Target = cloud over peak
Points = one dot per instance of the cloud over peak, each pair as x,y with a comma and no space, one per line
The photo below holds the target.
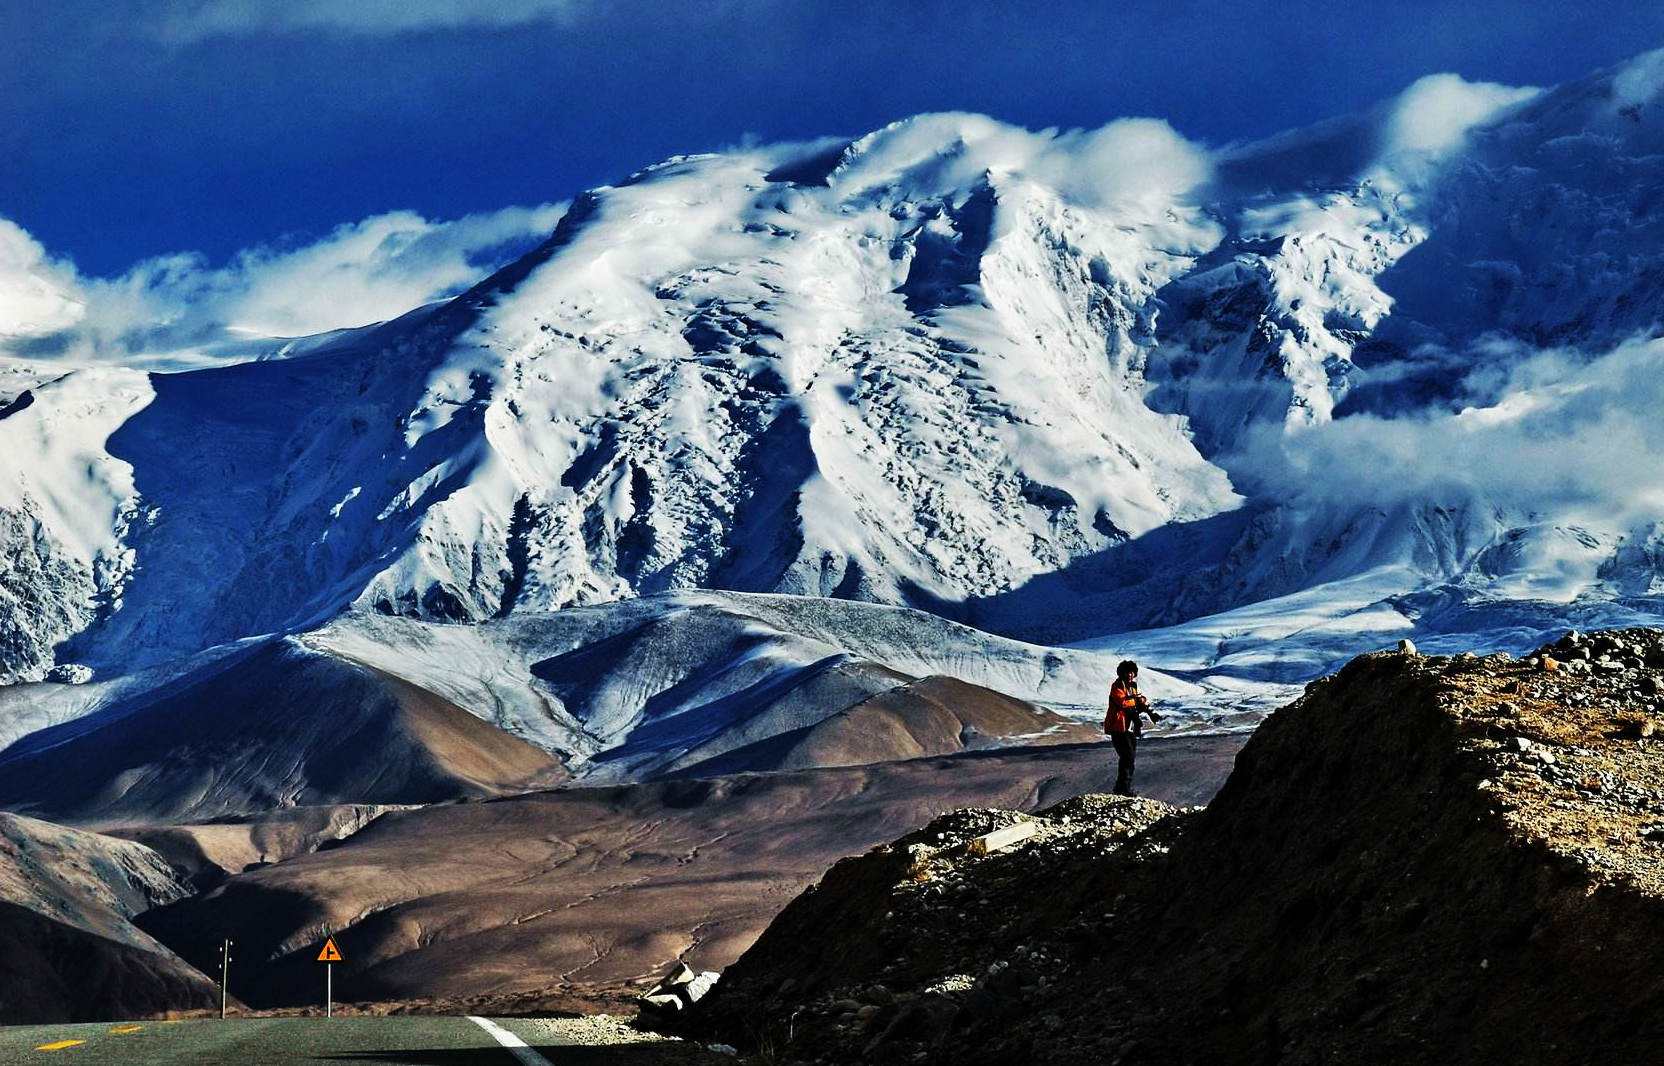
1127,161
1560,431
38,295
1434,115
361,272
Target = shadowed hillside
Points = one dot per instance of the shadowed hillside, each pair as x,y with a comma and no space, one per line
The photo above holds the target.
279,726
68,950
1422,860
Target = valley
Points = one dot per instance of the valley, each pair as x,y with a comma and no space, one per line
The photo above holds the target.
701,580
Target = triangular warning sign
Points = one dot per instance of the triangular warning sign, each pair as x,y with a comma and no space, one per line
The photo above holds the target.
330,952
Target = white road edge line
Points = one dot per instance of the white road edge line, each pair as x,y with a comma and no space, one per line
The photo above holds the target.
515,1045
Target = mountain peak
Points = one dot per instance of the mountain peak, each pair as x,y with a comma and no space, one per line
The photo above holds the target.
932,365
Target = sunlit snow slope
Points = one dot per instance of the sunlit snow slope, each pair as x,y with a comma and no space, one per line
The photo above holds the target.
1103,388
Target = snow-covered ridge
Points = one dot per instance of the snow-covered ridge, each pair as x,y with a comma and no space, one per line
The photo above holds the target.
1057,385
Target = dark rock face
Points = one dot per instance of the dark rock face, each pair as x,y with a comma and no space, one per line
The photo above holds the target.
68,950
1423,859
55,972
44,597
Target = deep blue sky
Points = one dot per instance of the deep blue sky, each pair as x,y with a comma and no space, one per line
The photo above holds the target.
124,136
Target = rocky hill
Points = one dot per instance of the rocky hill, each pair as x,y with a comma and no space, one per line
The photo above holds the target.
1424,859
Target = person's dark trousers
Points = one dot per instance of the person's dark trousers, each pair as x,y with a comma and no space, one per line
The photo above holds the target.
1126,746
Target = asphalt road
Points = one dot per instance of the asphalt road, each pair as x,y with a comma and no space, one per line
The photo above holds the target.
407,1040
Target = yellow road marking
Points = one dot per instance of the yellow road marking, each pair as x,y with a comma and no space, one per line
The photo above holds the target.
124,1029
59,1045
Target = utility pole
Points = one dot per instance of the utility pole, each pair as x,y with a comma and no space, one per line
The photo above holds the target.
225,972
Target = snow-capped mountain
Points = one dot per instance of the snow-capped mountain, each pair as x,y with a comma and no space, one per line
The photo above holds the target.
1062,387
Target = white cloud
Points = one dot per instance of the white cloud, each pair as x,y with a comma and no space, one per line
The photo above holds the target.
1554,431
1130,159
1639,80
1133,160
1434,115
37,294
361,272
203,19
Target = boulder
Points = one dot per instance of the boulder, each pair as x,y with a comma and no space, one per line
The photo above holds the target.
679,990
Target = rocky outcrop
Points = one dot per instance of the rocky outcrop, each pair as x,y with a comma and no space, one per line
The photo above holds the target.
1423,859
45,597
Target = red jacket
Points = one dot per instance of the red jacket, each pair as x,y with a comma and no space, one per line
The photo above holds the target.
1124,705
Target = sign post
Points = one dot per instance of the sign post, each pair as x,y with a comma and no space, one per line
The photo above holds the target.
329,956
225,972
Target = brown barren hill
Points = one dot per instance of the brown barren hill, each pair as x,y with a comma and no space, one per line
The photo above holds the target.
586,887
1451,860
68,950
930,716
206,853
278,726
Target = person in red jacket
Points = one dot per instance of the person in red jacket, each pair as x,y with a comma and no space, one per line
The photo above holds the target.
1122,723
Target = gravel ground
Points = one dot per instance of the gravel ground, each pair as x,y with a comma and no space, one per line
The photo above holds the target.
606,1030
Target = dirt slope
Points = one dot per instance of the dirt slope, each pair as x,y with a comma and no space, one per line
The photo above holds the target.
930,716
279,726
206,853
1422,860
594,886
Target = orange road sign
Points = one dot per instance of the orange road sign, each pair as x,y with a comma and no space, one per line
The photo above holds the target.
330,952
